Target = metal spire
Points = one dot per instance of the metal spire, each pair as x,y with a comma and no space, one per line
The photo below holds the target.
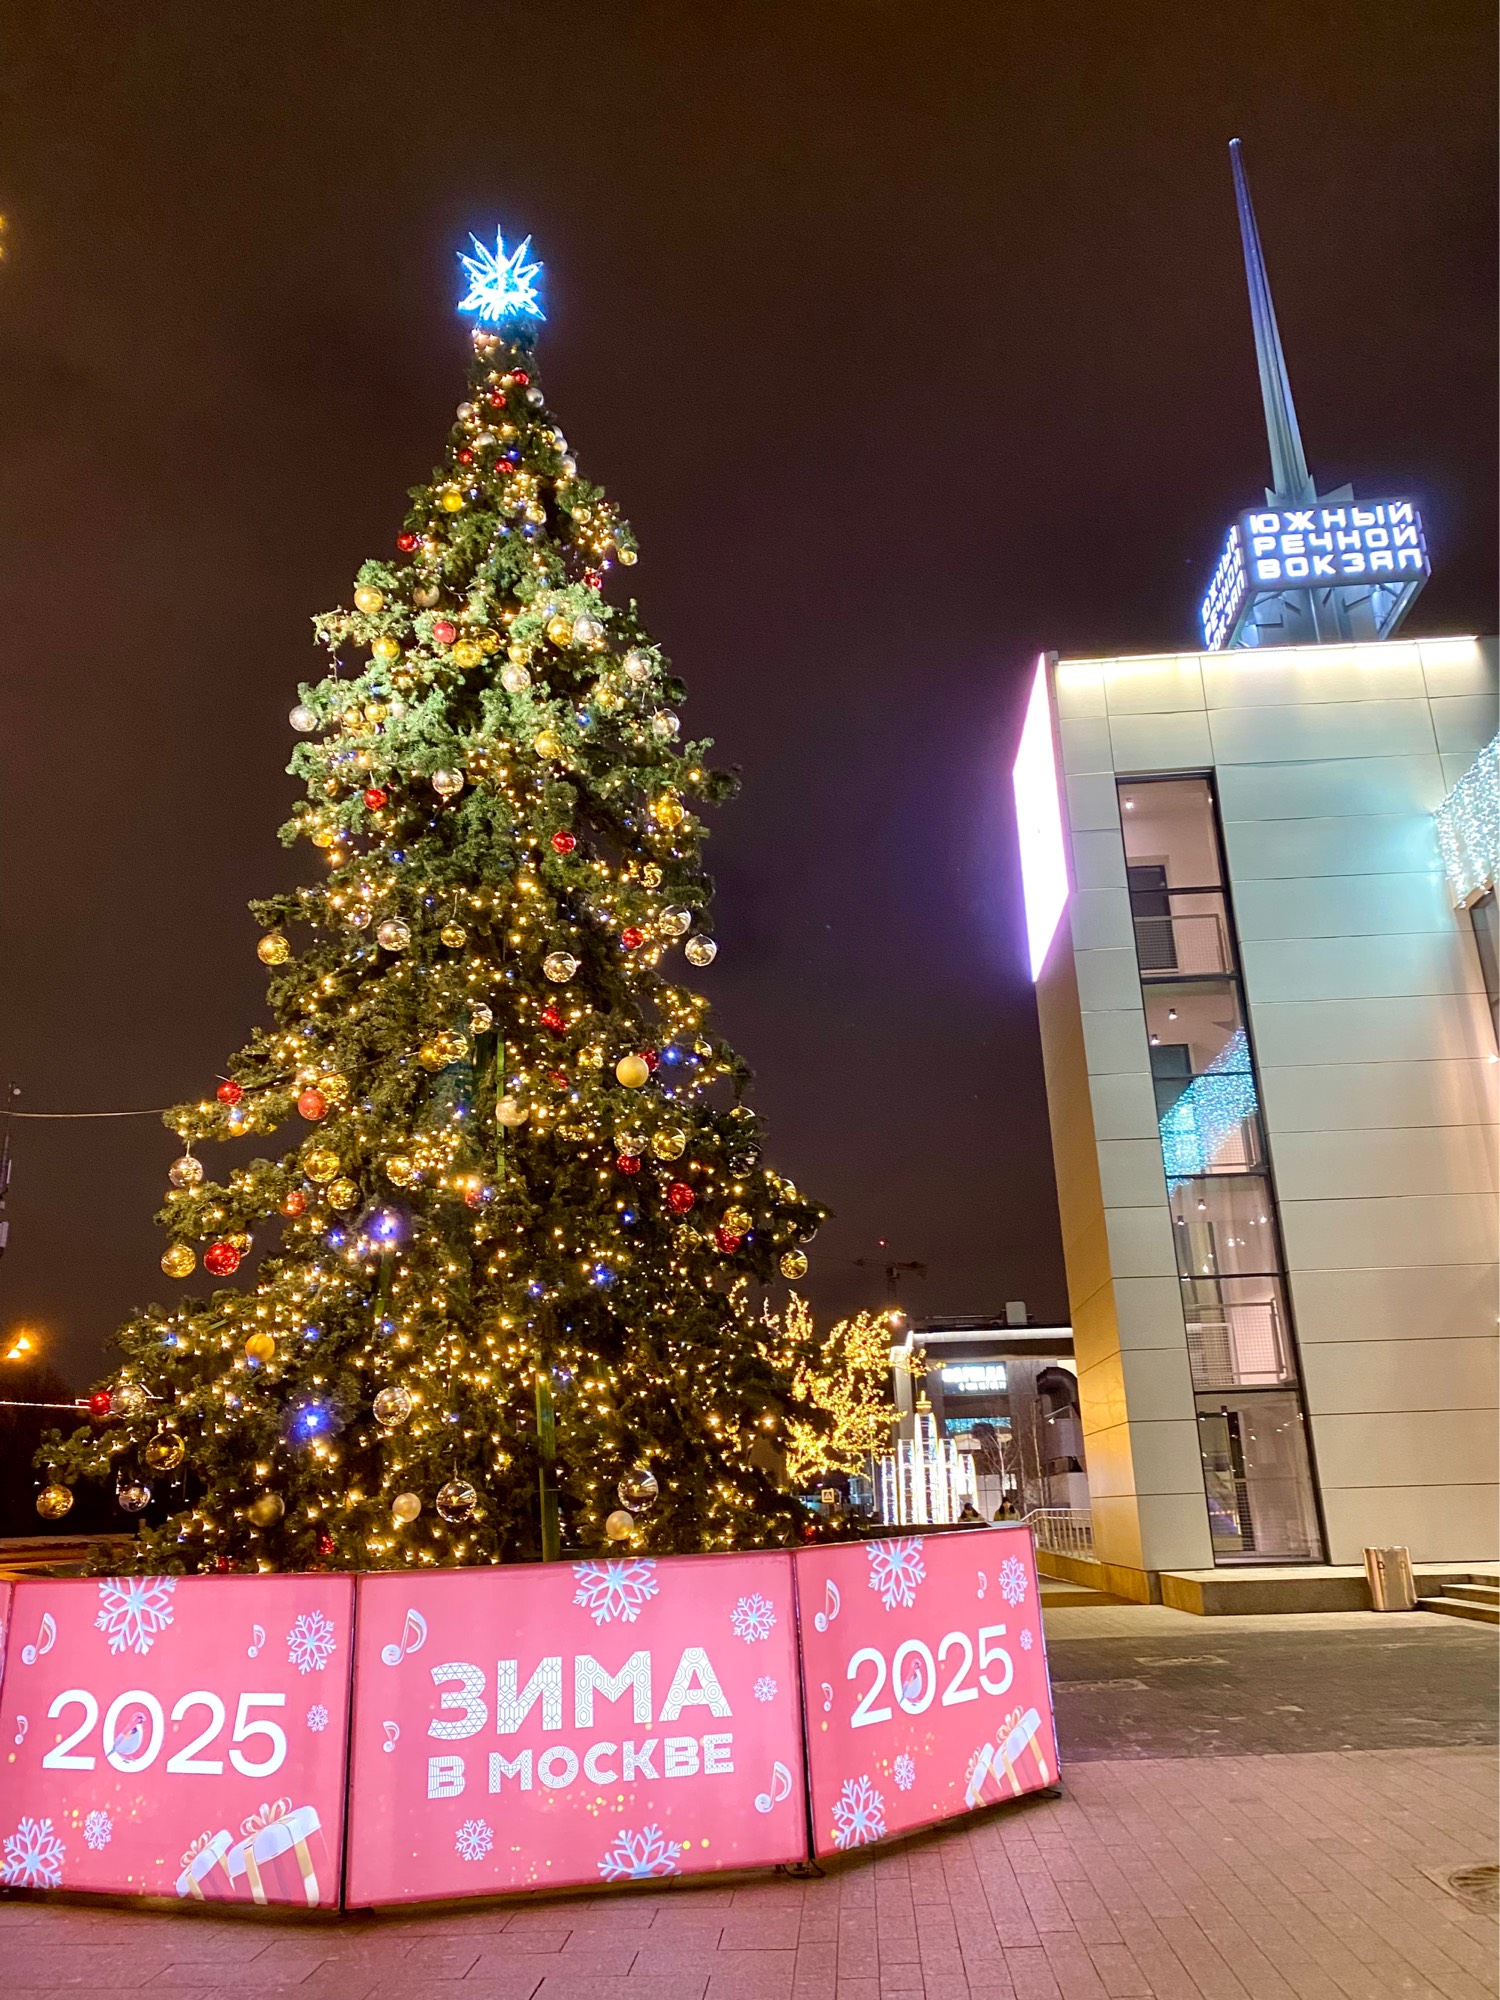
1292,483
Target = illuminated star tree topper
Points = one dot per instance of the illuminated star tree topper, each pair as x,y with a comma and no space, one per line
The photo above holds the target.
500,286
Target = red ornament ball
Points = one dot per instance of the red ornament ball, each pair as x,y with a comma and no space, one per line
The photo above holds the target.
101,1403
727,1241
631,938
295,1203
553,1021
556,1076
497,399
406,543
221,1259
375,798
313,1105
564,843
594,578
680,1197
229,1092
444,633
651,1059
628,1163
521,379
221,1565
466,457
325,1542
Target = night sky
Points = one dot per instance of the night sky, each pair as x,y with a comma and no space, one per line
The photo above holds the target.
911,339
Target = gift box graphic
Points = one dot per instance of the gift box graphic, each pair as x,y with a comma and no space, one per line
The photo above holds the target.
205,1873
280,1856
1019,1732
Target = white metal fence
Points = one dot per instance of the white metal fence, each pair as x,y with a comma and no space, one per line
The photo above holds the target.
1062,1531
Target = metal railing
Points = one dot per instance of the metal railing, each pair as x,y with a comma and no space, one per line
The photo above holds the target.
1062,1531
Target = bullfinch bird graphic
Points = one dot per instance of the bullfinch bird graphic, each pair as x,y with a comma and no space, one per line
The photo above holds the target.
132,1738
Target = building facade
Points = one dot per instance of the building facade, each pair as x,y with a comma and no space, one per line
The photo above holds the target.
1271,1070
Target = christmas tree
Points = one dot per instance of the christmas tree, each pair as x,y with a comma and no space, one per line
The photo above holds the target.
511,1260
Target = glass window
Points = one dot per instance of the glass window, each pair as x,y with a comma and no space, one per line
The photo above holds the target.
1223,1227
1169,829
1237,1332
1257,1477
1206,1105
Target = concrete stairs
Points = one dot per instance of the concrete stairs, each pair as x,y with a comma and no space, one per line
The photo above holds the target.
1475,1597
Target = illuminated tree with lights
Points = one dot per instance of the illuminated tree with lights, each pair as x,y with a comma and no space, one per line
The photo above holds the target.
527,1214
842,1414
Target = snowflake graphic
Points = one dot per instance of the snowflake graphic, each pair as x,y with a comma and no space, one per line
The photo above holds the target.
905,1772
317,1718
637,1856
896,1568
858,1814
135,1610
33,1857
310,1642
752,1618
1012,1580
98,1830
616,1588
765,1688
1026,1639
474,1840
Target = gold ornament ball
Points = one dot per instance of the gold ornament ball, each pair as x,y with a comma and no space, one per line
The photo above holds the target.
447,784
130,1399
320,1165
369,600
53,1502
736,1220
627,556
393,935
669,1143
637,666
454,936
481,1020
323,833
546,743
457,1500
393,1405
489,642
260,1347
451,502
179,1260
386,647
793,1265
165,1452
399,1170
675,921
630,1144
559,967
512,1112
631,1071
587,631
619,1526
668,810
560,631
638,1489
266,1511
425,596
514,678
273,949
700,951
467,654
343,1194
405,1508
186,1172
133,1496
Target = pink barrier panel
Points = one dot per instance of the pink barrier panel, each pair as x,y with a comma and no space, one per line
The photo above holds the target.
602,1721
926,1680
177,1735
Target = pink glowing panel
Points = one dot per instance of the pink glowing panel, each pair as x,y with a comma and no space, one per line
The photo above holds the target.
926,1678
1039,824
182,1736
602,1721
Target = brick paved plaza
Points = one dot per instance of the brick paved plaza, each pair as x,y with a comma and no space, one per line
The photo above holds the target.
1235,1872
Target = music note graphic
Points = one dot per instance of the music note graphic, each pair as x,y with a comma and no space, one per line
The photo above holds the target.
831,1599
984,1584
781,1788
22,1725
258,1639
46,1639
413,1638
392,1732
827,1696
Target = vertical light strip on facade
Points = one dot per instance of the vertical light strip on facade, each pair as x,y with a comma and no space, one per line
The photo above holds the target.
1039,822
